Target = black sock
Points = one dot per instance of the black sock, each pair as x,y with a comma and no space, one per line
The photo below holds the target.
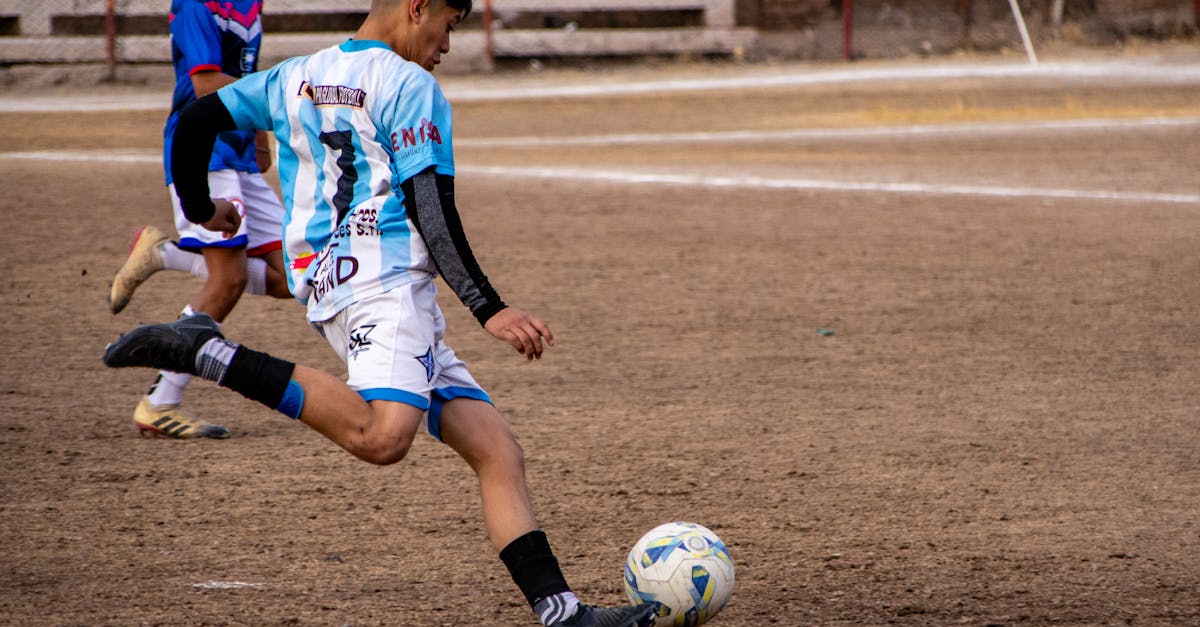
258,376
533,567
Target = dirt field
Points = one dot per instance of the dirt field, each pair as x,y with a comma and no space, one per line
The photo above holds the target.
997,423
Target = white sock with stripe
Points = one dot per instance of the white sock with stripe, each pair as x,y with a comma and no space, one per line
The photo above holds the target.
557,608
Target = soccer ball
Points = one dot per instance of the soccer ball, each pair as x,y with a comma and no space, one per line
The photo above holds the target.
682,568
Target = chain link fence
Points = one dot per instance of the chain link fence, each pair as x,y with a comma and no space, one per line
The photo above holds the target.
135,31
57,31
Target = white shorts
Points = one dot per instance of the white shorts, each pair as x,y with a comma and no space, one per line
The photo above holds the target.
392,346
262,224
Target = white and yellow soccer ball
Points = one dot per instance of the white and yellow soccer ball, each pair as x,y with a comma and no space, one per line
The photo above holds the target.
684,569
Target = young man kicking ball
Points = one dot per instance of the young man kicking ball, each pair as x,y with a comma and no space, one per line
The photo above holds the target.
367,171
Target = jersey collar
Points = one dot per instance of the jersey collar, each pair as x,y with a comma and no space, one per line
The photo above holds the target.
358,45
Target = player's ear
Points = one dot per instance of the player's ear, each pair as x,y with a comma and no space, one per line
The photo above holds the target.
416,8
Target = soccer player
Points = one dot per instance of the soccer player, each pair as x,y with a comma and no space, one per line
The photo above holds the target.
367,171
212,45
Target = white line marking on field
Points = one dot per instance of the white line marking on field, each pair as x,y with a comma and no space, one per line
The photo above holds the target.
754,182
94,157
227,585
777,135
700,180
85,104
1185,73
466,90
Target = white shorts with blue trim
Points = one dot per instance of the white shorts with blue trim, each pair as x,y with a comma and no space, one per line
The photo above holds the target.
393,348
262,223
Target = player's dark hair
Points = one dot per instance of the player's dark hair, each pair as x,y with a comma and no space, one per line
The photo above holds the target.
460,5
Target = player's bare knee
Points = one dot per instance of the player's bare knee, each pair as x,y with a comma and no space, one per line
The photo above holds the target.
383,451
506,451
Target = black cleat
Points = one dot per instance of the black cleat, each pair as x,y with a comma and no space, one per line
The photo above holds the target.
169,346
627,616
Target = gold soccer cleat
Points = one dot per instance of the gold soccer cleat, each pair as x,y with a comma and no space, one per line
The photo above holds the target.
144,260
170,422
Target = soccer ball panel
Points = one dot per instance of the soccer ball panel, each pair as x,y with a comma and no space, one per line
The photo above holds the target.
683,568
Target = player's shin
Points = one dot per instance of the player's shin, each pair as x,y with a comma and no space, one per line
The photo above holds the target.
257,376
536,572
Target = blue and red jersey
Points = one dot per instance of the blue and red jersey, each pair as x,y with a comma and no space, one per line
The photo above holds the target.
214,35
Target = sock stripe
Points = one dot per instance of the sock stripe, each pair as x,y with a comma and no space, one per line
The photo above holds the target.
292,403
551,612
214,358
557,608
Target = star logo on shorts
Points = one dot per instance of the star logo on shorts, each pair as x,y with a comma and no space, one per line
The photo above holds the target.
427,361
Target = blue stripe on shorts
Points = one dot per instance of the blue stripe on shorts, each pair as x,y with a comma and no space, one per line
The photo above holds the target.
443,395
390,394
239,241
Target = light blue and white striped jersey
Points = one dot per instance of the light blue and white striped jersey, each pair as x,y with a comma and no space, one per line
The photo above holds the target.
353,122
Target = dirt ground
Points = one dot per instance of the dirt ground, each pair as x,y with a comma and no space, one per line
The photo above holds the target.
997,423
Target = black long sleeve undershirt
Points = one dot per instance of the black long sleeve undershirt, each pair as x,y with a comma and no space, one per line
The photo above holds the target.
191,149
429,198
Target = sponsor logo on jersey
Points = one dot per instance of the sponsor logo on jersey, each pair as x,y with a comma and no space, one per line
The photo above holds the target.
332,95
425,131
249,59
331,271
365,221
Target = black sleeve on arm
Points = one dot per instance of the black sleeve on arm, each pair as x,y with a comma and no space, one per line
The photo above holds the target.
429,198
191,150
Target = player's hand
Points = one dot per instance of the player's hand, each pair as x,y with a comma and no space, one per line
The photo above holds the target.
227,217
522,331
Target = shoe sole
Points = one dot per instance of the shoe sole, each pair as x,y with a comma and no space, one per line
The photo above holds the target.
152,432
